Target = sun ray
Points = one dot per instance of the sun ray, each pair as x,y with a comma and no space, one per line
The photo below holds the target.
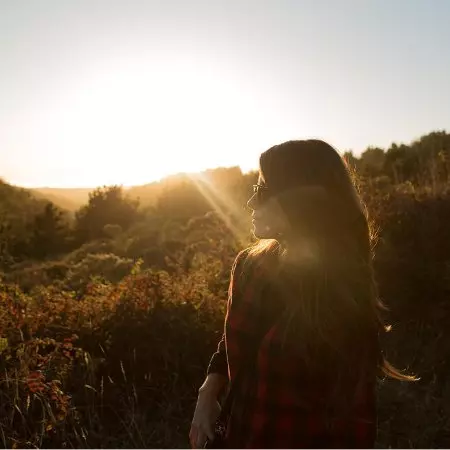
223,205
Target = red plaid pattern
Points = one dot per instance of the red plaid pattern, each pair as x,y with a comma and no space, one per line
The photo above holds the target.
276,405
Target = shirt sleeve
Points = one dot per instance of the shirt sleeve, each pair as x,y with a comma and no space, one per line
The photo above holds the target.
219,363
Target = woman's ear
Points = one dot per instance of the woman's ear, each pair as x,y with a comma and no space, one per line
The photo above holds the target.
304,202
279,219
301,193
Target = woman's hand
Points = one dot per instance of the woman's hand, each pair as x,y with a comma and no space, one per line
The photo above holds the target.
207,410
206,413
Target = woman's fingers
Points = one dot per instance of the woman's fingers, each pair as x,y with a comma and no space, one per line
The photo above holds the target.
201,439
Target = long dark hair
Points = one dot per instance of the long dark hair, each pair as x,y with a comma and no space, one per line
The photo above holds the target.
333,309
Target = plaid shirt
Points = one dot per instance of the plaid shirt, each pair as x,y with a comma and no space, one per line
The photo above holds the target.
275,404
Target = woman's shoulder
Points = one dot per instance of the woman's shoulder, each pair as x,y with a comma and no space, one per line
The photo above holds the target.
242,256
246,259
240,263
260,250
256,262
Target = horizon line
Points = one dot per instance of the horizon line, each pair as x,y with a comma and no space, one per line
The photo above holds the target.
123,185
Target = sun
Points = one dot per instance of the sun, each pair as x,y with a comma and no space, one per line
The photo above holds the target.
130,124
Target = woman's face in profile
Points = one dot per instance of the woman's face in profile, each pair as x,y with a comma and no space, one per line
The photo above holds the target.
267,216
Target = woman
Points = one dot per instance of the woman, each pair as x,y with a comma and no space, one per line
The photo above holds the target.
302,328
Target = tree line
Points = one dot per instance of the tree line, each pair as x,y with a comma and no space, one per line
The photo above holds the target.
36,229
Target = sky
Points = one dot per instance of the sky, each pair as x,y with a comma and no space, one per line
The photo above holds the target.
125,92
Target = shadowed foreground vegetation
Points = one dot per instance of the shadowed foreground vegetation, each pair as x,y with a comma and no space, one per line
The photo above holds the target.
108,316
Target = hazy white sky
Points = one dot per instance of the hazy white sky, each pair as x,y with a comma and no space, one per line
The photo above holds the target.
97,92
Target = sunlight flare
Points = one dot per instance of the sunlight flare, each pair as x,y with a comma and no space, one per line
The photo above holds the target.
224,206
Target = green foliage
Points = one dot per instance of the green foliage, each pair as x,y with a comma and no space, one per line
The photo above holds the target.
49,233
29,228
72,276
372,162
112,231
423,162
106,206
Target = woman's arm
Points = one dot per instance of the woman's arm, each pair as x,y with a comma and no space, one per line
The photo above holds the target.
218,363
207,409
217,373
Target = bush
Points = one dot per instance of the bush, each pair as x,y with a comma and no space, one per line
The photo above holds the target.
117,367
412,265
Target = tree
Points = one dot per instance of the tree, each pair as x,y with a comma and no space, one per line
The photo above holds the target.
106,206
372,162
49,232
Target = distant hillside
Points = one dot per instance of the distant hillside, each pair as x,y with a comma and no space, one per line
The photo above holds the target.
220,179
72,198
18,203
61,202
66,198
